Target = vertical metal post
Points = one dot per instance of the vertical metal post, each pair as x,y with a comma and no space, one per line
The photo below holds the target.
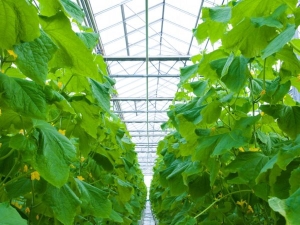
147,74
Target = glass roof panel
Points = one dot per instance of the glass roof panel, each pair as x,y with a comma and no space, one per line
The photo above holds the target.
122,28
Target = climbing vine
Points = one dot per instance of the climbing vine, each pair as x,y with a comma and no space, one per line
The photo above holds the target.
233,157
65,158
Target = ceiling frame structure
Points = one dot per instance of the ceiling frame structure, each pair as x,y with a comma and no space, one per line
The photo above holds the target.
123,27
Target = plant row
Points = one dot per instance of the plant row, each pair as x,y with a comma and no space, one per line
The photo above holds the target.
233,157
65,158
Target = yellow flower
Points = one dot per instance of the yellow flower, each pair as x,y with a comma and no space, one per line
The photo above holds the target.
25,169
250,210
37,217
16,204
241,149
254,149
27,210
262,113
59,84
80,178
241,203
63,132
21,131
35,175
12,53
0,112
263,92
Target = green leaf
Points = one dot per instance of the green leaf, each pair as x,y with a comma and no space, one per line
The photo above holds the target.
294,180
23,96
289,208
101,94
176,185
63,202
22,143
73,10
247,38
205,68
257,8
288,117
33,57
125,190
221,143
102,160
88,114
275,91
211,112
248,165
187,72
272,20
220,14
237,74
199,186
288,153
188,220
102,66
18,188
10,216
10,119
114,216
277,43
179,167
57,99
290,60
227,65
199,87
19,23
54,155
269,165
95,201
89,39
209,29
77,83
72,52
49,8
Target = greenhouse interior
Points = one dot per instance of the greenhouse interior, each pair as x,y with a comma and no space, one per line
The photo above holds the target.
153,112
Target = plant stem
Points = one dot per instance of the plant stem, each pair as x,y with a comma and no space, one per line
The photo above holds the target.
7,155
12,180
264,75
253,109
212,204
67,83
10,172
32,200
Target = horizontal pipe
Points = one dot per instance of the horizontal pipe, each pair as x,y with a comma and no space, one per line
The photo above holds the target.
151,58
141,111
146,131
150,135
145,143
141,99
142,121
144,76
